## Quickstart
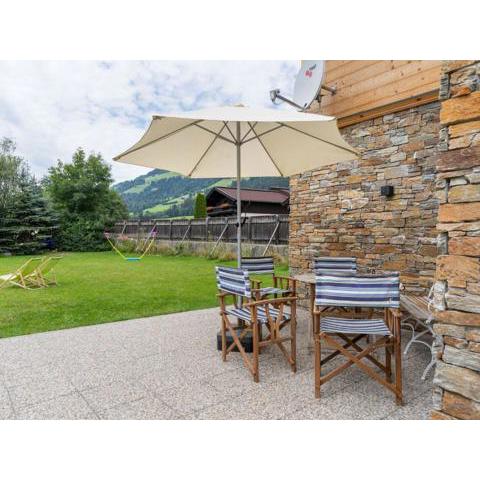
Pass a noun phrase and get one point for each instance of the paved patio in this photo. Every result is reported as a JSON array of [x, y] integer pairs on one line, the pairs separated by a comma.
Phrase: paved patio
[[167, 367]]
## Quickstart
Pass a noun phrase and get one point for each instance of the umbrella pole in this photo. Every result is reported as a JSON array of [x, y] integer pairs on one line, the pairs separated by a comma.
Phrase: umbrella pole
[[239, 203]]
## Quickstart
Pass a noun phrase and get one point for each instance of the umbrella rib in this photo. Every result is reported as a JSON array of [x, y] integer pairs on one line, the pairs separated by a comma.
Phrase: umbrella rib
[[206, 151], [318, 138], [231, 133], [156, 139], [214, 133], [249, 130], [256, 136], [266, 151]]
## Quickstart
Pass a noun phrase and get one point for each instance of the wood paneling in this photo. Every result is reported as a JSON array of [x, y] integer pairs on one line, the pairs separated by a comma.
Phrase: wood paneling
[[368, 85]]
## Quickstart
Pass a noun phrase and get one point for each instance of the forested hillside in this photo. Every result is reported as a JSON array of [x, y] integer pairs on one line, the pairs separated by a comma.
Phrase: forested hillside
[[160, 193]]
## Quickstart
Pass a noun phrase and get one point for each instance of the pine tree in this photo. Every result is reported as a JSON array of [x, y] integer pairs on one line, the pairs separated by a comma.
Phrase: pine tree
[[28, 225], [200, 210]]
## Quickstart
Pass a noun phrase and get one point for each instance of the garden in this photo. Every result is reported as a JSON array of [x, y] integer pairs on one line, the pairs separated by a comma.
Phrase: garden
[[100, 287]]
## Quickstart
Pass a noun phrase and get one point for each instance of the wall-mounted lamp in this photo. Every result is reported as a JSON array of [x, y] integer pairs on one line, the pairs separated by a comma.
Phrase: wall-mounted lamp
[[386, 191]]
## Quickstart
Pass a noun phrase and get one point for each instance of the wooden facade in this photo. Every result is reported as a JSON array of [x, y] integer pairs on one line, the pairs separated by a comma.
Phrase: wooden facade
[[371, 88], [222, 202]]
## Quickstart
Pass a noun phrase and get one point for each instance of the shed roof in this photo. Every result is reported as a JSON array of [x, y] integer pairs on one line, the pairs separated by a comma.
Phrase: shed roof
[[254, 195]]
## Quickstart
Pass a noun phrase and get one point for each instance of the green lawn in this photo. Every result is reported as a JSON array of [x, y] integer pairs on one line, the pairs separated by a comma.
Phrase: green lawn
[[101, 287]]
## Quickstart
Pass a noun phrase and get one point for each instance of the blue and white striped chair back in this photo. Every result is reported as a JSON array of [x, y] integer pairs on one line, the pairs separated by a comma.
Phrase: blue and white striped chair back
[[335, 265], [234, 280], [378, 291], [259, 265]]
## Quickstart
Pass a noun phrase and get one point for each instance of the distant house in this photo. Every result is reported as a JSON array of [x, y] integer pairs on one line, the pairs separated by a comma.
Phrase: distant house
[[222, 201]]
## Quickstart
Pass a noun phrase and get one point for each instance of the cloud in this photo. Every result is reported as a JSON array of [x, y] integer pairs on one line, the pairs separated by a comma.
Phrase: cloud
[[51, 108]]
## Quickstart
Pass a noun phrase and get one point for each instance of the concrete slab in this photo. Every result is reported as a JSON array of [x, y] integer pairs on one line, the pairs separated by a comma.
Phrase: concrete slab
[[167, 367], [65, 407]]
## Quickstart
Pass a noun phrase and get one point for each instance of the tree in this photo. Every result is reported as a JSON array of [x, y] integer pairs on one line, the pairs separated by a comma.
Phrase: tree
[[200, 206], [81, 194], [26, 223], [12, 171]]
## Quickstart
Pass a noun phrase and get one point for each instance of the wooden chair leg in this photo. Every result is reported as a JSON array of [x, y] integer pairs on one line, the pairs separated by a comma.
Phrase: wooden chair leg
[[388, 363], [398, 367], [224, 340], [318, 364], [256, 335], [293, 334]]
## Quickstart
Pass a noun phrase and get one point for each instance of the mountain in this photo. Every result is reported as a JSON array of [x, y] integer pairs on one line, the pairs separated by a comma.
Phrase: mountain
[[163, 194]]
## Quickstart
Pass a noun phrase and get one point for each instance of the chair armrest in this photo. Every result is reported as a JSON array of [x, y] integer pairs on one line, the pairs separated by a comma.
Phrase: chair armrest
[[225, 294], [271, 301], [395, 312]]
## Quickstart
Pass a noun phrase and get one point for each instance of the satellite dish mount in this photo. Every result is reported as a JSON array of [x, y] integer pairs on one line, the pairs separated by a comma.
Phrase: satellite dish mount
[[308, 85]]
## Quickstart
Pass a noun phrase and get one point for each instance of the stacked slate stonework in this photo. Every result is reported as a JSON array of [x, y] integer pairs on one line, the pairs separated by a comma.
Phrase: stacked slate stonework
[[339, 210], [457, 377]]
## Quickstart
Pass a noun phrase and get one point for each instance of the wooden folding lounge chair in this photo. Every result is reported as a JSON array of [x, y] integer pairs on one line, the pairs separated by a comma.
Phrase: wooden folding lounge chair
[[282, 285], [335, 265], [45, 268], [361, 291], [272, 313], [24, 276]]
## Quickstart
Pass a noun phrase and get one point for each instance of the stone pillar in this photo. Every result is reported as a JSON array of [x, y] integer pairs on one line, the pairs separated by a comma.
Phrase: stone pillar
[[457, 286]]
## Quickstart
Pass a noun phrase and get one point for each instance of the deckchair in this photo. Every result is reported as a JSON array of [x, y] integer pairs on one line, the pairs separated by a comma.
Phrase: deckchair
[[47, 266], [23, 276], [335, 265], [373, 292], [282, 285], [272, 313]]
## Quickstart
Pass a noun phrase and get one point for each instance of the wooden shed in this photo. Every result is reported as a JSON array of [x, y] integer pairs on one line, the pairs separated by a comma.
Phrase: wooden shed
[[222, 202]]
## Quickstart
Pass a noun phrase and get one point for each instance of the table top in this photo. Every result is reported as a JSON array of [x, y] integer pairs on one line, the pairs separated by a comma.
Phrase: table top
[[305, 278], [415, 305]]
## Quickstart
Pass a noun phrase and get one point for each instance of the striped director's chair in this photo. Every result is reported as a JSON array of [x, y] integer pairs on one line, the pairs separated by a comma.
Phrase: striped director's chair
[[272, 313], [282, 285], [335, 265], [361, 291]]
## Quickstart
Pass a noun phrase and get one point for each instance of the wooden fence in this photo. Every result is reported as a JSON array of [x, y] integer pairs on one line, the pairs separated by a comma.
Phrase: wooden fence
[[257, 229]]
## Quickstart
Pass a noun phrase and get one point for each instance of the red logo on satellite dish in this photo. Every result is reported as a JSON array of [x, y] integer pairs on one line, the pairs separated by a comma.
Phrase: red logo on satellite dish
[[309, 72]]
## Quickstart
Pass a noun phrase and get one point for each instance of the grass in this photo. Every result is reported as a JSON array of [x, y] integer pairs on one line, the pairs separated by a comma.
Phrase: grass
[[148, 180], [161, 207], [101, 287]]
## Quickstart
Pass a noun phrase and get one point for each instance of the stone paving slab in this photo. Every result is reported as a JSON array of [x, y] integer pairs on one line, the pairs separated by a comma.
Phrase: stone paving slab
[[167, 367]]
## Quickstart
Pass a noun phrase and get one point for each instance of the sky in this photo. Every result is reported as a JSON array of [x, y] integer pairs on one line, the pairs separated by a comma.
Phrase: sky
[[51, 108]]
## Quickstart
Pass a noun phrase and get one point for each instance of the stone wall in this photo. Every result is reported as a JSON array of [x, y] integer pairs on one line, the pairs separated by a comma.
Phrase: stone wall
[[339, 211], [457, 376]]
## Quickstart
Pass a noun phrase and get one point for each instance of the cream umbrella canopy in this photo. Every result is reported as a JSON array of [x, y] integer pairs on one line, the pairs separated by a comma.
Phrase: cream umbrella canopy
[[238, 141]]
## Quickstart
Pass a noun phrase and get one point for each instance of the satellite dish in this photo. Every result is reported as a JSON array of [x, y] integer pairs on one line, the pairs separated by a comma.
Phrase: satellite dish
[[307, 85], [308, 82]]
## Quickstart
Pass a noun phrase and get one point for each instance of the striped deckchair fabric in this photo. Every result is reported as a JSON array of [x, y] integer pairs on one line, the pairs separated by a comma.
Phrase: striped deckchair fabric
[[234, 280], [377, 291], [371, 326], [258, 265], [262, 316], [335, 265]]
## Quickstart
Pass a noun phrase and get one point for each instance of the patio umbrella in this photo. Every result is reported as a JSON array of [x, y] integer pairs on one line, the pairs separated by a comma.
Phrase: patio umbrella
[[226, 142]]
